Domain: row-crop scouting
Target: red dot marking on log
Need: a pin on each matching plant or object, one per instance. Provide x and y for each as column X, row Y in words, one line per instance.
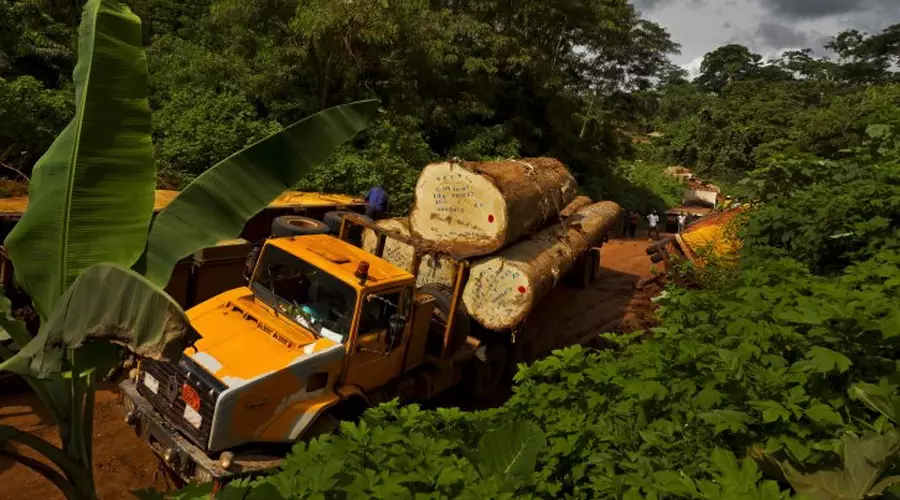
column 522, row 289
column 491, row 219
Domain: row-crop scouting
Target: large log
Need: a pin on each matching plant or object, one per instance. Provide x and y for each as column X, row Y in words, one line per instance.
column 577, row 204
column 474, row 209
column 504, row 288
column 432, row 270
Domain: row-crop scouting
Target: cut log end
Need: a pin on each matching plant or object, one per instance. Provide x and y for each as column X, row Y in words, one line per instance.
column 478, row 208
column 503, row 289
column 460, row 208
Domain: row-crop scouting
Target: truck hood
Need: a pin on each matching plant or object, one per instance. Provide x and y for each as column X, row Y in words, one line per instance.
column 241, row 339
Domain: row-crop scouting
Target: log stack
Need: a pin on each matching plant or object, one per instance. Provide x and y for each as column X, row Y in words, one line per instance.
column 518, row 222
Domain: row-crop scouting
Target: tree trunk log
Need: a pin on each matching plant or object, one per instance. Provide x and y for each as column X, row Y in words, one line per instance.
column 474, row 209
column 577, row 204
column 504, row 288
column 438, row 270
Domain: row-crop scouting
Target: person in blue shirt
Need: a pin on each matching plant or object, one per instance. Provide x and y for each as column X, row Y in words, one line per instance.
column 376, row 202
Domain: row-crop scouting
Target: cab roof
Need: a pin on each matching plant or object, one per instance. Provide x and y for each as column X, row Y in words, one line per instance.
column 341, row 259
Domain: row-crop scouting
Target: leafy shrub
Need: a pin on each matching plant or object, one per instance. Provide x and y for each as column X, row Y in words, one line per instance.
column 198, row 128
column 828, row 214
column 639, row 186
column 38, row 114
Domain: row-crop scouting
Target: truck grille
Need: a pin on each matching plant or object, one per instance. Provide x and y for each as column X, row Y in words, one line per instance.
column 167, row 398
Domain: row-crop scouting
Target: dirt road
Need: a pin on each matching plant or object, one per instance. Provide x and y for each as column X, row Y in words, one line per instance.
column 122, row 463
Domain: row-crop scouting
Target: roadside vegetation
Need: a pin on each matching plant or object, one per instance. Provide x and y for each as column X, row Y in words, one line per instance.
column 776, row 380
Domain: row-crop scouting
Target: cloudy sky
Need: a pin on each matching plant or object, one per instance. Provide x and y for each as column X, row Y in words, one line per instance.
column 766, row 26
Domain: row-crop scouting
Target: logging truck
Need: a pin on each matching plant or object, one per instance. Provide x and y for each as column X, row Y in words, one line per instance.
column 322, row 331
column 329, row 325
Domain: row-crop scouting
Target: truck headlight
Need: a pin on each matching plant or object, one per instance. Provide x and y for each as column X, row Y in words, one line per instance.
column 225, row 459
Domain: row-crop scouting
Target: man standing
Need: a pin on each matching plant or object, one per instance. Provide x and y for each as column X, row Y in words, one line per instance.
column 682, row 219
column 653, row 220
column 376, row 202
column 632, row 222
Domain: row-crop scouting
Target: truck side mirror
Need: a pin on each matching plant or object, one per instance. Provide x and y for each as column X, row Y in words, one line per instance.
column 250, row 263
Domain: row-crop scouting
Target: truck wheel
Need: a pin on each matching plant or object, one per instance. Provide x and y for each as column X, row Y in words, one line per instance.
column 489, row 371
column 292, row 225
column 333, row 220
column 462, row 323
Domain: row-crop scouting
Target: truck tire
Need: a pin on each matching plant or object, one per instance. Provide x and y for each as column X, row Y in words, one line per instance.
column 443, row 298
column 292, row 225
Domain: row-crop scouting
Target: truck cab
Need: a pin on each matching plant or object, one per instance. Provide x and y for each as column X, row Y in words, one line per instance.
column 320, row 328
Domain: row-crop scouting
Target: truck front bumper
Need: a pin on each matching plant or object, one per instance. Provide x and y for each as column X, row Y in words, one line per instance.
column 185, row 459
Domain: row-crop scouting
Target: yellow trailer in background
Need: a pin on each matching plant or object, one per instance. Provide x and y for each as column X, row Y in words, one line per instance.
column 216, row 269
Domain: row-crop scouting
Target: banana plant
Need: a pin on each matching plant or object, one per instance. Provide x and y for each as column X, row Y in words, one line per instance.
column 92, row 257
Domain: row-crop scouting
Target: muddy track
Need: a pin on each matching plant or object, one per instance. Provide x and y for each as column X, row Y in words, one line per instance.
column 123, row 464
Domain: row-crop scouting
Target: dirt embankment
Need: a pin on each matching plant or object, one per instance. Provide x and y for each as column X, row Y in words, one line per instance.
column 123, row 463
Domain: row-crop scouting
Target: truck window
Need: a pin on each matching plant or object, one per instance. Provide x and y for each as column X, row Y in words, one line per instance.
column 377, row 312
column 304, row 293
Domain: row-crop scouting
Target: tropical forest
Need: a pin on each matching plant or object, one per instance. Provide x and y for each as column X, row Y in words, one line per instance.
column 771, row 371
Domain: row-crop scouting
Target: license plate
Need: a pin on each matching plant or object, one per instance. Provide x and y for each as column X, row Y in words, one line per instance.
column 151, row 383
column 190, row 397
column 192, row 416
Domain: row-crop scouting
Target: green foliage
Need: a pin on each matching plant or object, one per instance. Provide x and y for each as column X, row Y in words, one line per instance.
column 197, row 129
column 37, row 113
column 639, row 186
column 392, row 153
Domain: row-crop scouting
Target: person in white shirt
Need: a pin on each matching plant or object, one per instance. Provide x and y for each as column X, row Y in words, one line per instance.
column 653, row 219
column 682, row 218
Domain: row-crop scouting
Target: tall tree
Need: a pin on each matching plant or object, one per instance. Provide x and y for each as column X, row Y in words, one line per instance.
column 727, row 64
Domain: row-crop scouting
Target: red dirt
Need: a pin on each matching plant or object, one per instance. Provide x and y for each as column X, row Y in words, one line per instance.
column 613, row 304
column 123, row 463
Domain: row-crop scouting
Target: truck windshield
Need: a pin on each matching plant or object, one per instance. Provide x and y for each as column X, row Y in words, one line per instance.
column 306, row 294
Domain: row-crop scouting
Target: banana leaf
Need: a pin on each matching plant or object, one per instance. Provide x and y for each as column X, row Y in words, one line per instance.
column 91, row 195
column 107, row 304
column 217, row 204
column 510, row 451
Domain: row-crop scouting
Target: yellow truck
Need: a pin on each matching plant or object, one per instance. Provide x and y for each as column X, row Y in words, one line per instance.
column 321, row 331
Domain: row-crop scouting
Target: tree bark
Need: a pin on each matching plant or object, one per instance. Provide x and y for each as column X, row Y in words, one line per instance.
column 473, row 209
column 504, row 288
column 577, row 204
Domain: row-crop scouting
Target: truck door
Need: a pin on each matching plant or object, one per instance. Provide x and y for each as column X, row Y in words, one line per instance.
column 377, row 354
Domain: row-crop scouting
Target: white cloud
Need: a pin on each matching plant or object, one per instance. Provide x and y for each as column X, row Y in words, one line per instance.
column 765, row 26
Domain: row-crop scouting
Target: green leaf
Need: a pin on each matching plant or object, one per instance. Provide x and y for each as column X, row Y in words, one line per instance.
column 864, row 460
column 11, row 327
column 675, row 483
column 822, row 360
column 91, row 195
column 727, row 420
column 772, row 411
column 823, row 414
column 878, row 398
column 110, row 304
column 510, row 450
column 217, row 204
column 877, row 131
